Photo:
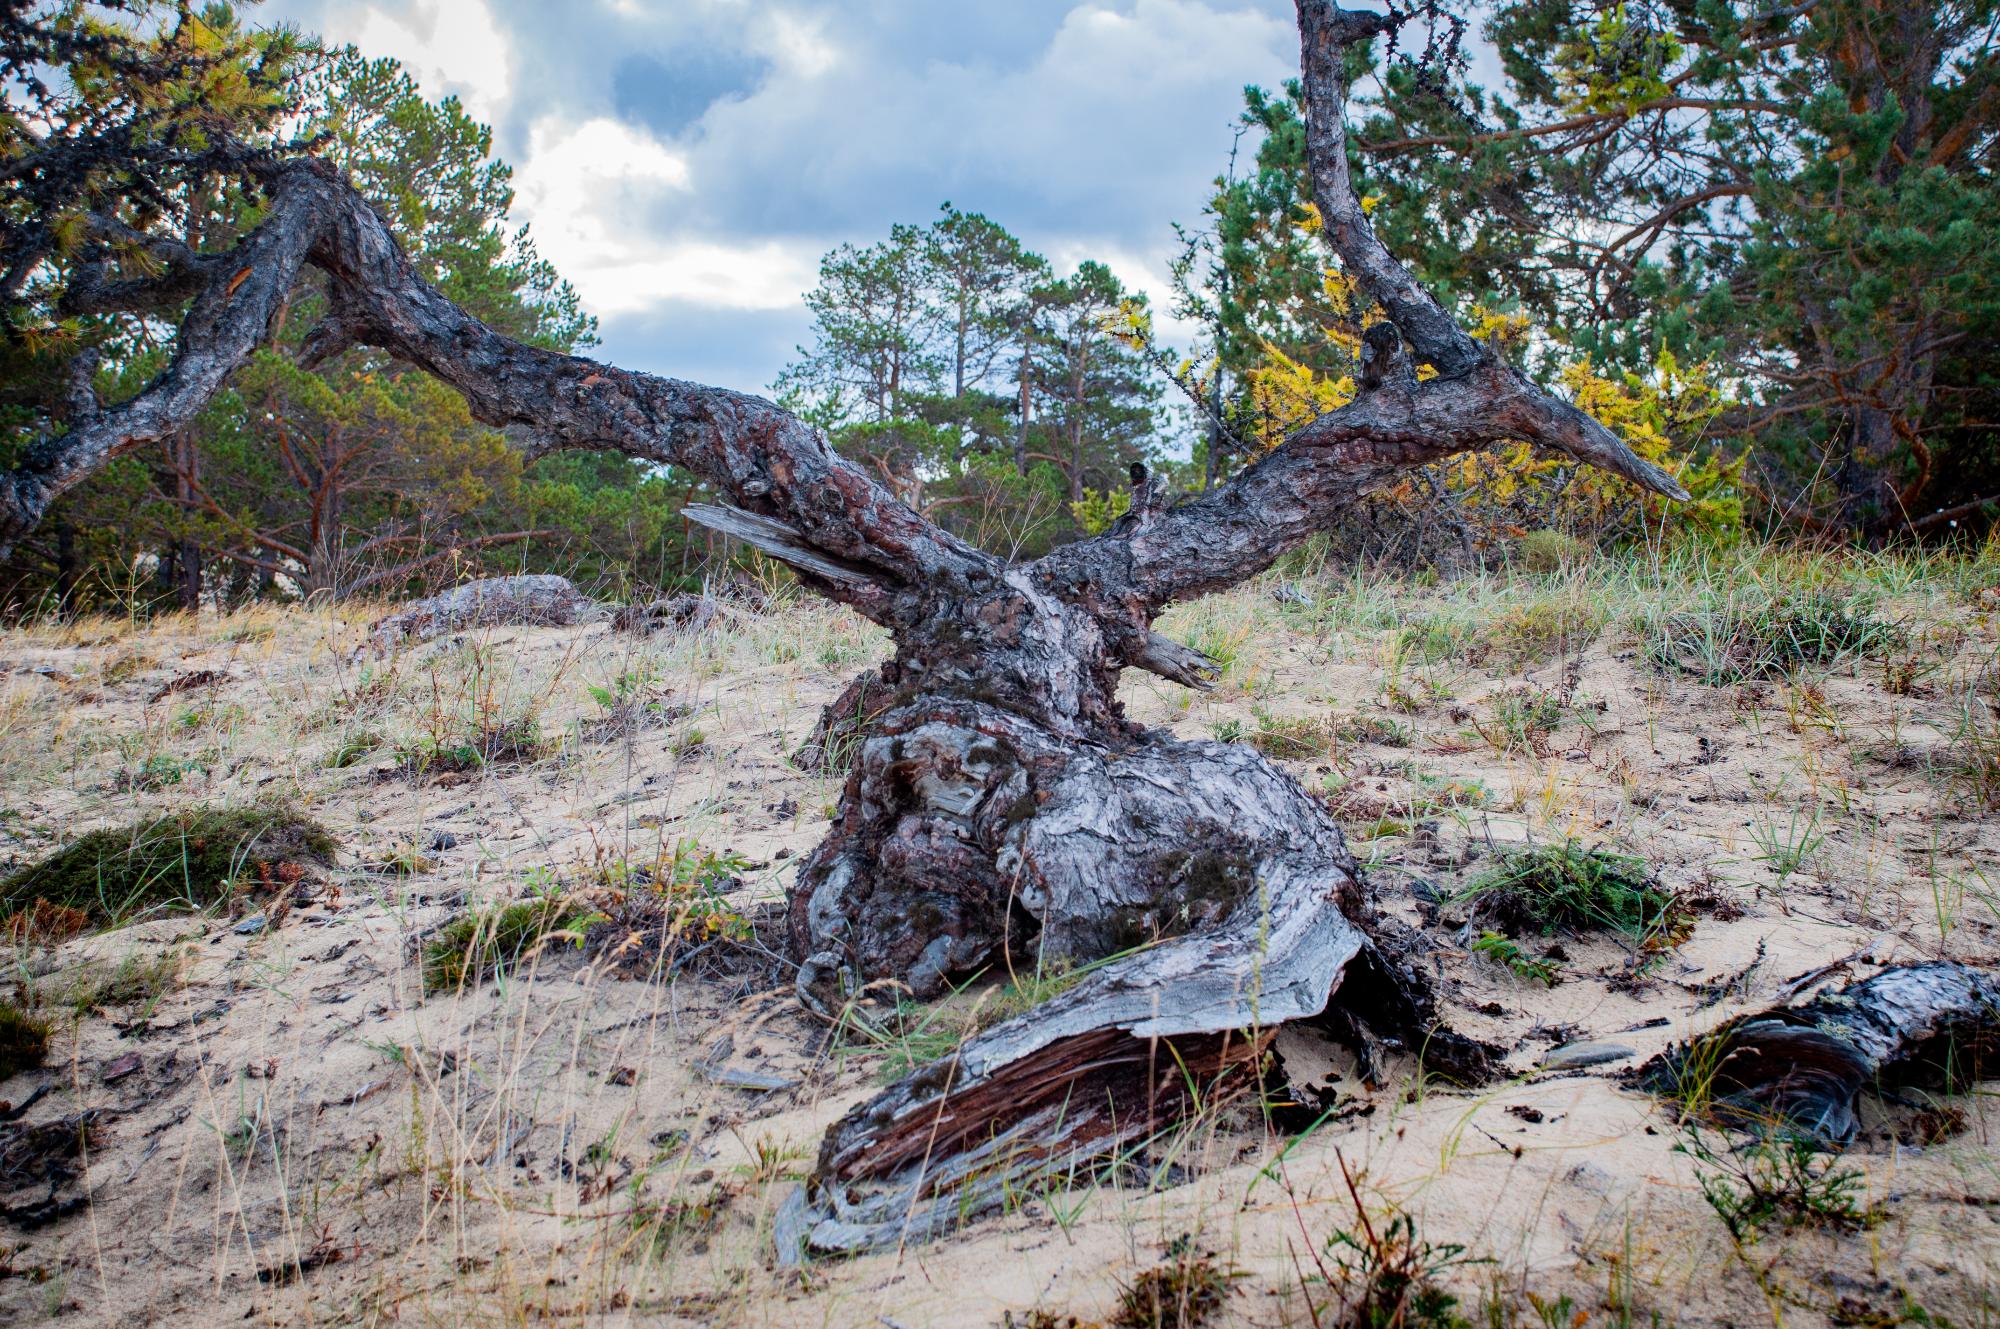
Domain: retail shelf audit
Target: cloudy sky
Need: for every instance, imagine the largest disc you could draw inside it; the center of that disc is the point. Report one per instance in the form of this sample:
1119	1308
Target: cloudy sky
686	162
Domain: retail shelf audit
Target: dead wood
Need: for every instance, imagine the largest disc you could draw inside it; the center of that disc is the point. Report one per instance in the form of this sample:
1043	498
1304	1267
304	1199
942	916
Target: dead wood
523	601
1801	1069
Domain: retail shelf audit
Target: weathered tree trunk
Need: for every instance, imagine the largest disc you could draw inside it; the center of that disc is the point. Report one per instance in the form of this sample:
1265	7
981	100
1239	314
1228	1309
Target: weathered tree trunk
187	553
1002	807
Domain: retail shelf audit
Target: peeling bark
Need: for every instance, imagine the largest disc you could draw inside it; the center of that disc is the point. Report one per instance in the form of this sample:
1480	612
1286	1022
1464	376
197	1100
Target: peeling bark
1001	809
1802	1068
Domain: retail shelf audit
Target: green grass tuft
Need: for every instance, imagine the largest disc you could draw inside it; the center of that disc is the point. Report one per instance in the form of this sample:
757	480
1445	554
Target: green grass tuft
185	862
1737	643
1567	888
24	1040
481	943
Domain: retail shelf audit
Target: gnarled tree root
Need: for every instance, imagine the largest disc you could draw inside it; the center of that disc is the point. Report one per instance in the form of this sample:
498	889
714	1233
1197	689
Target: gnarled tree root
1801	1069
1117	1059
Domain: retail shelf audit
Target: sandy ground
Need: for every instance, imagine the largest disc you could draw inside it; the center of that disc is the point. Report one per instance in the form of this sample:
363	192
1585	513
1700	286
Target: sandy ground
551	1146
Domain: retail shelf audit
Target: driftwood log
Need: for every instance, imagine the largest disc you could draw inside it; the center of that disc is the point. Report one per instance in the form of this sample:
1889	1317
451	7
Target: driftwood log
1801	1069
1001	807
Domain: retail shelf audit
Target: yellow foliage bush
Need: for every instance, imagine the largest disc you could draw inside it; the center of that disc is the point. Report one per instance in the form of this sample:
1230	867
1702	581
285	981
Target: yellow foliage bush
1518	489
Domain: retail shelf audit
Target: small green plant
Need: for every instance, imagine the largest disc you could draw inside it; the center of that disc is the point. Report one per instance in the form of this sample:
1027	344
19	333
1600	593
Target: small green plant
24	1040
1229	731
494	741
1568	888
772	1161
1523	719
658	1227
627	687
1507	951
633	700
187	861
1387	1276
1434	794
1782	1181
353	747
1292	737
689	881
1221	642
1972	762
1787	849
1433	640
162	771
402	859
124	668
1558	1313
1378	729
483	943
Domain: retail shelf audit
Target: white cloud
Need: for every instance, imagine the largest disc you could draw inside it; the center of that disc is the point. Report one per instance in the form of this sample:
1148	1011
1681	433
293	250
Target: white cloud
586	188
449	46
661	189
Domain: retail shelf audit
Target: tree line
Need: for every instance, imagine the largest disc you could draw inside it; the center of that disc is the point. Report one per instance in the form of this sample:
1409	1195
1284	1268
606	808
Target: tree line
1755	242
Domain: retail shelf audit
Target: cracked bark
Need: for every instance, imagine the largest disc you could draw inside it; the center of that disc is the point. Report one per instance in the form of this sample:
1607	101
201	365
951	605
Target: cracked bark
1002	807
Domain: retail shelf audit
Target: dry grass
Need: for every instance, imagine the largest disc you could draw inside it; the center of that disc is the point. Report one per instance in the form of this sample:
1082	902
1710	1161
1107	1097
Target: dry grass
291	1131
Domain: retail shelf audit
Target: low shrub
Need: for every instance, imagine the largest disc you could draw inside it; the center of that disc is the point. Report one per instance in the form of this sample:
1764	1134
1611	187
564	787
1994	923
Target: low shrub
1547	550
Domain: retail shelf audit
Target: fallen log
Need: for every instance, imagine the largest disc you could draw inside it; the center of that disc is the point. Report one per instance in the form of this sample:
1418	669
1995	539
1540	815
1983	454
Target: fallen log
1801	1069
523	601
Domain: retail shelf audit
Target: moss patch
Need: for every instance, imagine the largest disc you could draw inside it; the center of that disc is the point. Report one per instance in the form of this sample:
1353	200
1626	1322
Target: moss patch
484	942
185	862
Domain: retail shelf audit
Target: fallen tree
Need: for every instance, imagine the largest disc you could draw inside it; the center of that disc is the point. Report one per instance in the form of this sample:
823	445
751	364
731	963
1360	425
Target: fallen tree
1000	807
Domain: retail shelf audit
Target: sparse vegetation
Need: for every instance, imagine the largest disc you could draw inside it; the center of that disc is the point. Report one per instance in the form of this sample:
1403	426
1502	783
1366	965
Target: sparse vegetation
1781	1181
1384	1276
1292	737
673	926
136	979
1188	1291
